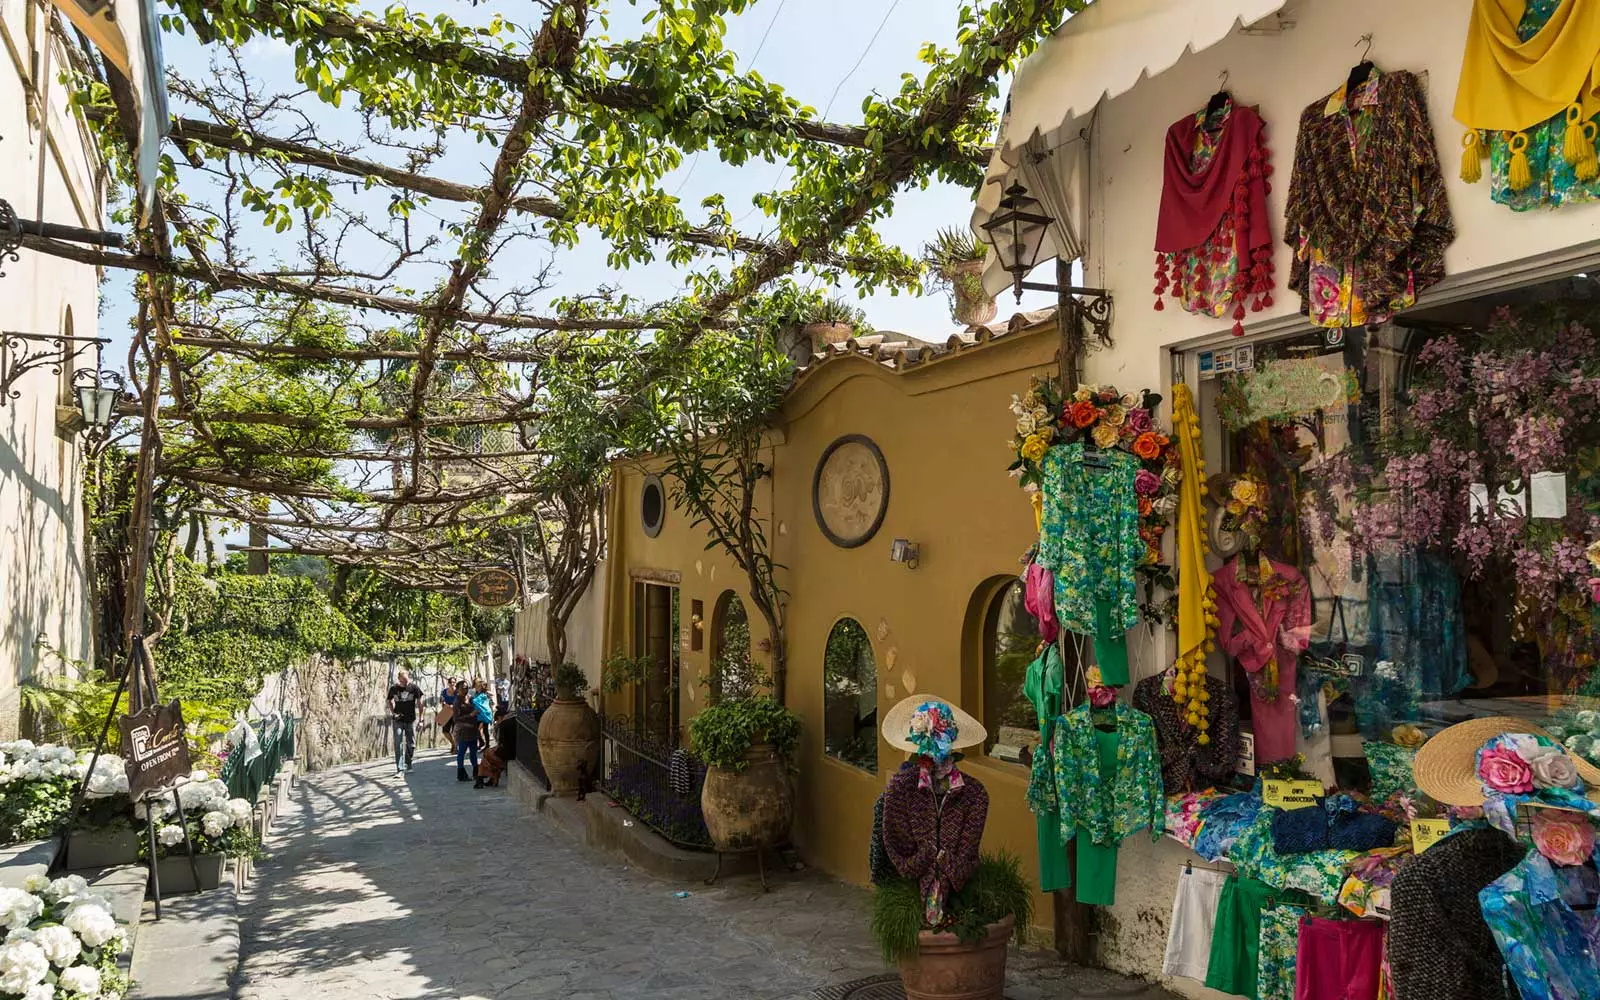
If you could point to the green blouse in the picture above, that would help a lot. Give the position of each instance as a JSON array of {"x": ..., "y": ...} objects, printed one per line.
[
  {"x": 1090, "y": 536},
  {"x": 1134, "y": 800}
]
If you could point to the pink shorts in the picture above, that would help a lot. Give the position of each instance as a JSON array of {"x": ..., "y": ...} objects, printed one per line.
[{"x": 1338, "y": 959}]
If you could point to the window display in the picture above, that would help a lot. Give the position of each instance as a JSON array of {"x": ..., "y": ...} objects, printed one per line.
[{"x": 850, "y": 696}]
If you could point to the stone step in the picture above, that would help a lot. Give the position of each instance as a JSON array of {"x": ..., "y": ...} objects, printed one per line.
[
  {"x": 124, "y": 887},
  {"x": 192, "y": 952},
  {"x": 20, "y": 862}
]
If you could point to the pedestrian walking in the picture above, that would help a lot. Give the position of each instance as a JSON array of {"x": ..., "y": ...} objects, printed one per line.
[
  {"x": 404, "y": 697},
  {"x": 466, "y": 733},
  {"x": 447, "y": 711}
]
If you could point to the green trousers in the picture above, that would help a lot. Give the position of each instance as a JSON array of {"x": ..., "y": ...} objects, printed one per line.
[
  {"x": 1054, "y": 872},
  {"x": 1110, "y": 645},
  {"x": 1097, "y": 863}
]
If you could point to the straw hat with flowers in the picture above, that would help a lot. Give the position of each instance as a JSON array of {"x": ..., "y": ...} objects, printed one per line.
[
  {"x": 1447, "y": 766},
  {"x": 923, "y": 723}
]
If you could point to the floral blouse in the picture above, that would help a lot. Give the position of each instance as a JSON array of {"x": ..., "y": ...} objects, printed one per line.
[
  {"x": 1367, "y": 215},
  {"x": 1090, "y": 536},
  {"x": 1552, "y": 949},
  {"x": 1554, "y": 181},
  {"x": 1134, "y": 800}
]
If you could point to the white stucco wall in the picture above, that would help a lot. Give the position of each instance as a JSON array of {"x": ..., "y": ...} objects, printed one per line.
[
  {"x": 585, "y": 628},
  {"x": 43, "y": 572},
  {"x": 1280, "y": 74}
]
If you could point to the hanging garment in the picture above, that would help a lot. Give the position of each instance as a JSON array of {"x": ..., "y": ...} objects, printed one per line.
[
  {"x": 1039, "y": 597},
  {"x": 1526, "y": 64},
  {"x": 1042, "y": 687},
  {"x": 1213, "y": 244},
  {"x": 1091, "y": 543},
  {"x": 879, "y": 868},
  {"x": 1197, "y": 602},
  {"x": 1266, "y": 640},
  {"x": 1277, "y": 952},
  {"x": 1193, "y": 923},
  {"x": 932, "y": 837},
  {"x": 1186, "y": 765},
  {"x": 1338, "y": 959},
  {"x": 1235, "y": 959},
  {"x": 1367, "y": 216},
  {"x": 1439, "y": 946},
  {"x": 1107, "y": 785},
  {"x": 1417, "y": 622},
  {"x": 1551, "y": 948}
]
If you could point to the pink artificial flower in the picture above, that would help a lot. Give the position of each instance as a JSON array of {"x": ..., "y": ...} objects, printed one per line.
[
  {"x": 1565, "y": 838},
  {"x": 1139, "y": 420},
  {"x": 1502, "y": 770},
  {"x": 1102, "y": 697},
  {"x": 1594, "y": 588},
  {"x": 1146, "y": 483}
]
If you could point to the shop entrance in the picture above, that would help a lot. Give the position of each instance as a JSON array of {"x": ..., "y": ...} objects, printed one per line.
[{"x": 655, "y": 634}]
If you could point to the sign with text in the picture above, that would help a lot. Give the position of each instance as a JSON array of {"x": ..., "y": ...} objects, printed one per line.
[
  {"x": 157, "y": 754},
  {"x": 1427, "y": 832},
  {"x": 1284, "y": 794},
  {"x": 492, "y": 588},
  {"x": 1246, "y": 764}
]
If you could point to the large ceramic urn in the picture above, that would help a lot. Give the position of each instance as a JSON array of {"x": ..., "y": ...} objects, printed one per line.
[
  {"x": 750, "y": 809},
  {"x": 569, "y": 743}
]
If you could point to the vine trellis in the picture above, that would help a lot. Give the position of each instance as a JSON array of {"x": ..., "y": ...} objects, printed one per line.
[{"x": 316, "y": 395}]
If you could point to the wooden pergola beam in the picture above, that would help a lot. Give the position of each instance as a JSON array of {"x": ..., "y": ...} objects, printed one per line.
[{"x": 229, "y": 346}]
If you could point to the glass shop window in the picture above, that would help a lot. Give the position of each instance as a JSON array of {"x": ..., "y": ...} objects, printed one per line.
[
  {"x": 1416, "y": 507},
  {"x": 1010, "y": 642},
  {"x": 850, "y": 697}
]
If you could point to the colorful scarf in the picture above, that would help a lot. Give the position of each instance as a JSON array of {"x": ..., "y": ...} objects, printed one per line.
[
  {"x": 1193, "y": 202},
  {"x": 932, "y": 730},
  {"x": 1508, "y": 85},
  {"x": 1197, "y": 602}
]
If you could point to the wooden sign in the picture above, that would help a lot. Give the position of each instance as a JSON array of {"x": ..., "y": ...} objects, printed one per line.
[
  {"x": 492, "y": 588},
  {"x": 1427, "y": 832},
  {"x": 153, "y": 743},
  {"x": 1290, "y": 794}
]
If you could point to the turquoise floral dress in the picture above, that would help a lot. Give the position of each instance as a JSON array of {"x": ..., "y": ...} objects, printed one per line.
[
  {"x": 1134, "y": 799},
  {"x": 1550, "y": 947},
  {"x": 1554, "y": 181}
]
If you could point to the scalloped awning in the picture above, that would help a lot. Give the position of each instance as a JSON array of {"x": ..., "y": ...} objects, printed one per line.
[{"x": 1102, "y": 52}]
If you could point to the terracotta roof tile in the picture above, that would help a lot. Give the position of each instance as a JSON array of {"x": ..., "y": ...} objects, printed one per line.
[{"x": 900, "y": 352}]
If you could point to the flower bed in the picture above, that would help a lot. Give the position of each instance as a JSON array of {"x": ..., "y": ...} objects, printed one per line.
[
  {"x": 216, "y": 824},
  {"x": 36, "y": 786},
  {"x": 61, "y": 942}
]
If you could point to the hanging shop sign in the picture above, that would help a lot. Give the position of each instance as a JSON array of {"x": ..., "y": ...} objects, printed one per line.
[
  {"x": 492, "y": 588},
  {"x": 157, "y": 754}
]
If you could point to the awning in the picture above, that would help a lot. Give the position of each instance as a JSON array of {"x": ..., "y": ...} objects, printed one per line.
[
  {"x": 1102, "y": 52},
  {"x": 128, "y": 34}
]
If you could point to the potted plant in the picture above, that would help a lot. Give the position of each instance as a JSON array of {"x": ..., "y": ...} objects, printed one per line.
[
  {"x": 965, "y": 956},
  {"x": 104, "y": 835},
  {"x": 61, "y": 939},
  {"x": 218, "y": 828},
  {"x": 955, "y": 266},
  {"x": 832, "y": 321},
  {"x": 747, "y": 745},
  {"x": 569, "y": 733}
]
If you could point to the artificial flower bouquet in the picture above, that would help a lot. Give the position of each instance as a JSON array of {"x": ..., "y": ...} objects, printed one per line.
[
  {"x": 216, "y": 823},
  {"x": 60, "y": 942}
]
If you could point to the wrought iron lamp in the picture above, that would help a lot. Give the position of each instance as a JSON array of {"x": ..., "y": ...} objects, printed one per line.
[
  {"x": 1017, "y": 231},
  {"x": 98, "y": 393}
]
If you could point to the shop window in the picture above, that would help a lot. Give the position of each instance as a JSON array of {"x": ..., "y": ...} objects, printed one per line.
[
  {"x": 734, "y": 672},
  {"x": 1010, "y": 641},
  {"x": 850, "y": 696},
  {"x": 1413, "y": 500}
]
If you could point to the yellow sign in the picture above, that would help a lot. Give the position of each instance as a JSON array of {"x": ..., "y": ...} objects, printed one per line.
[
  {"x": 1427, "y": 832},
  {"x": 1283, "y": 794}
]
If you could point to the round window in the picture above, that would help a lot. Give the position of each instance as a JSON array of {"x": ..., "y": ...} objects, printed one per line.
[{"x": 652, "y": 505}]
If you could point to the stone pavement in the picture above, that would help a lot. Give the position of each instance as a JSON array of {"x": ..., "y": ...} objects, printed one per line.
[{"x": 400, "y": 888}]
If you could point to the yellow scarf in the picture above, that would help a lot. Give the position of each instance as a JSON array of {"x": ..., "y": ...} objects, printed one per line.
[
  {"x": 1197, "y": 604},
  {"x": 1508, "y": 85}
]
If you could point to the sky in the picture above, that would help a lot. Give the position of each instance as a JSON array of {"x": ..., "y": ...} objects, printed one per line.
[{"x": 829, "y": 54}]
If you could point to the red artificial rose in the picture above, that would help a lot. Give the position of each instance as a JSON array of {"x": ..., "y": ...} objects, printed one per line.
[{"x": 1084, "y": 413}]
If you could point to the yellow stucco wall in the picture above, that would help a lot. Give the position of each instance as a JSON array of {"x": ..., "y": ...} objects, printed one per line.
[{"x": 943, "y": 428}]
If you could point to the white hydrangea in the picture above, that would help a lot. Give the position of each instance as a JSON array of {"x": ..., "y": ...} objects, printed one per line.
[
  {"x": 240, "y": 811},
  {"x": 81, "y": 980},
  {"x": 19, "y": 908},
  {"x": 170, "y": 835},
  {"x": 199, "y": 777},
  {"x": 59, "y": 944},
  {"x": 110, "y": 778},
  {"x": 163, "y": 808},
  {"x": 22, "y": 966},
  {"x": 36, "y": 883},
  {"x": 43, "y": 991},
  {"x": 66, "y": 888},
  {"x": 91, "y": 921},
  {"x": 214, "y": 823}
]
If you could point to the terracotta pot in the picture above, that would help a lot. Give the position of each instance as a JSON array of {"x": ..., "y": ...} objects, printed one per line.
[
  {"x": 968, "y": 302},
  {"x": 569, "y": 738},
  {"x": 946, "y": 969},
  {"x": 178, "y": 877},
  {"x": 822, "y": 334},
  {"x": 748, "y": 809}
]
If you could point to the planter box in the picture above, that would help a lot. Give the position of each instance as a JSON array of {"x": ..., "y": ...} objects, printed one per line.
[
  {"x": 177, "y": 878},
  {"x": 88, "y": 849}
]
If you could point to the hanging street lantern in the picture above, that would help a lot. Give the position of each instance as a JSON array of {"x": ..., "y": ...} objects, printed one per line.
[{"x": 1017, "y": 233}]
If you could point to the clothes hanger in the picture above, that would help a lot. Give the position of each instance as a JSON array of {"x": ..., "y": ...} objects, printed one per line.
[
  {"x": 1362, "y": 70},
  {"x": 1219, "y": 100}
]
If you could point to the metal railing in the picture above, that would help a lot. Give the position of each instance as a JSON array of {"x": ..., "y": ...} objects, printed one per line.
[
  {"x": 659, "y": 785},
  {"x": 528, "y": 745},
  {"x": 245, "y": 781}
]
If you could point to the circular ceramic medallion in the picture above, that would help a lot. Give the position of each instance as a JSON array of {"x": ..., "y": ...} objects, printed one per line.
[{"x": 850, "y": 492}]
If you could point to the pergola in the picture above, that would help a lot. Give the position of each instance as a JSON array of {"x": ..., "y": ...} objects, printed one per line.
[{"x": 582, "y": 134}]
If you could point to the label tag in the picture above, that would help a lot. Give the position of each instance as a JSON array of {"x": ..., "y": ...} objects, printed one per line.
[
  {"x": 1283, "y": 794},
  {"x": 1246, "y": 764},
  {"x": 1427, "y": 832}
]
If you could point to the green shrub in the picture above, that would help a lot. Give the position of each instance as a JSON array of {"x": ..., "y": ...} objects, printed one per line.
[
  {"x": 997, "y": 889},
  {"x": 570, "y": 681},
  {"x": 722, "y": 734}
]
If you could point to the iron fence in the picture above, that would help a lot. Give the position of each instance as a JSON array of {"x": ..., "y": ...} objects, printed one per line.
[
  {"x": 659, "y": 785},
  {"x": 528, "y": 745}
]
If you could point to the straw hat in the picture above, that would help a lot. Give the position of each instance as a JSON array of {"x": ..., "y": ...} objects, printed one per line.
[
  {"x": 897, "y": 724},
  {"x": 1446, "y": 767}
]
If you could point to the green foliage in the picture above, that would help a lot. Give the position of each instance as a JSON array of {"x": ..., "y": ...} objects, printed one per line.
[
  {"x": 721, "y": 734},
  {"x": 996, "y": 890},
  {"x": 34, "y": 810},
  {"x": 619, "y": 671},
  {"x": 952, "y": 245},
  {"x": 570, "y": 681},
  {"x": 73, "y": 712},
  {"x": 837, "y": 311}
]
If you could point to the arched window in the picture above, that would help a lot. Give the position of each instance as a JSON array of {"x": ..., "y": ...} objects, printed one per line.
[
  {"x": 850, "y": 697},
  {"x": 1010, "y": 641},
  {"x": 733, "y": 674}
]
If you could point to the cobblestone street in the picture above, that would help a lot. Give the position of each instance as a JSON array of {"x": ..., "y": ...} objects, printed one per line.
[{"x": 386, "y": 887}]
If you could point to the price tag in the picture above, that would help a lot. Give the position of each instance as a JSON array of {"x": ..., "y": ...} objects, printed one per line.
[
  {"x": 1283, "y": 794},
  {"x": 1427, "y": 832},
  {"x": 1246, "y": 763}
]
